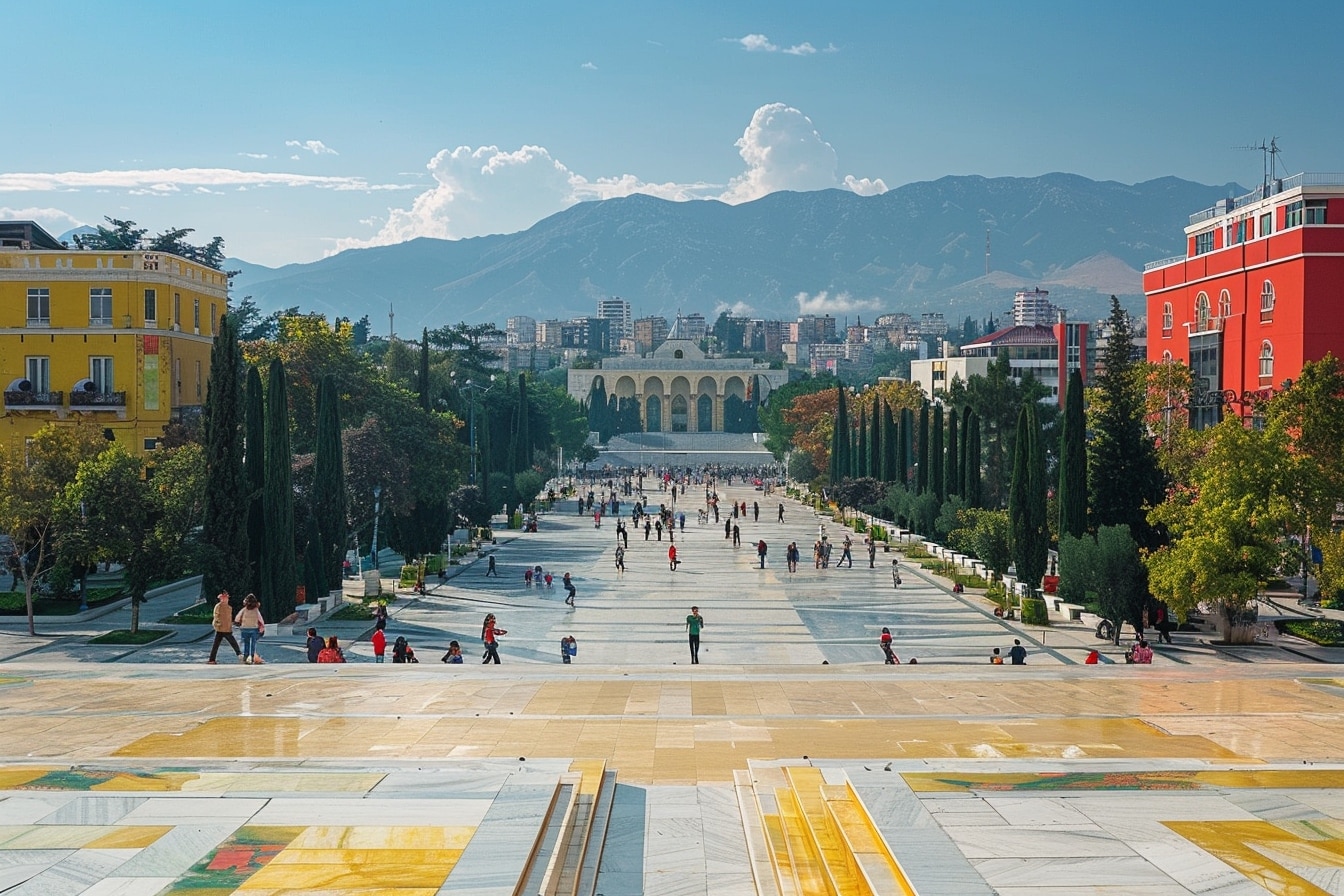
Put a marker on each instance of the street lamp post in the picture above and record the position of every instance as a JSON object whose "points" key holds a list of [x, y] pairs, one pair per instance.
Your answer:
{"points": [[473, 391]]}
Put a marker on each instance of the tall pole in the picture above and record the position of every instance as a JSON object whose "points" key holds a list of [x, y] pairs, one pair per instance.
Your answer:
{"points": [[377, 512], [472, 423]]}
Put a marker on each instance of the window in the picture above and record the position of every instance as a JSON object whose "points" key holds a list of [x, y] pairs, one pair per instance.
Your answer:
{"points": [[214, 318], [1204, 242], [1166, 318], [100, 307], [177, 310], [38, 372], [151, 307], [1166, 357], [1266, 224], [1315, 211], [1267, 302], [1292, 214], [196, 314], [100, 371], [39, 307], [1236, 233], [1224, 305], [1201, 312], [177, 381], [1266, 362]]}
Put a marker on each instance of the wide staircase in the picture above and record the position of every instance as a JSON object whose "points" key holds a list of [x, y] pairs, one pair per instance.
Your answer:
{"points": [[808, 836]]}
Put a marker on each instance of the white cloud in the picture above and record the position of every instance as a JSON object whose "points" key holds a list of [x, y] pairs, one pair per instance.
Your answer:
{"points": [[589, 66], [171, 179], [841, 303], [316, 147], [51, 219], [759, 43], [736, 309], [865, 186], [491, 190], [254, 155]]}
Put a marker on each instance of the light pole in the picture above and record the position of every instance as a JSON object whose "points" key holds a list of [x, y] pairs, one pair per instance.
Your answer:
{"points": [[377, 508], [473, 390]]}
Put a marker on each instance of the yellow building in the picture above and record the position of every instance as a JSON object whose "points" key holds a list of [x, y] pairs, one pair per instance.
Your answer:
{"points": [[119, 339]]}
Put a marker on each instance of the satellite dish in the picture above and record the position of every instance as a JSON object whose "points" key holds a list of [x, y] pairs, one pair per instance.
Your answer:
{"points": [[20, 385], [84, 385]]}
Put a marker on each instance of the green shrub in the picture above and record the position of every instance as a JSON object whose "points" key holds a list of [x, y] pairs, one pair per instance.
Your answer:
{"points": [[917, 552], [1034, 612], [12, 603], [879, 533], [144, 636], [353, 613], [1325, 632], [998, 593], [970, 580]]}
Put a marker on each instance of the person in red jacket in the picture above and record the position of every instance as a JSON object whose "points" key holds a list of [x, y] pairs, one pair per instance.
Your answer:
{"points": [[672, 558], [379, 645]]}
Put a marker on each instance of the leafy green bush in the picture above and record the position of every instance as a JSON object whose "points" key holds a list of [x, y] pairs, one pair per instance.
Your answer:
{"points": [[970, 580], [998, 593], [917, 552], [1325, 632], [1034, 612], [353, 613], [879, 533], [12, 603]]}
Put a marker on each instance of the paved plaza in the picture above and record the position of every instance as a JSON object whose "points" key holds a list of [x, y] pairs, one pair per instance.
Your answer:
{"points": [[791, 760]]}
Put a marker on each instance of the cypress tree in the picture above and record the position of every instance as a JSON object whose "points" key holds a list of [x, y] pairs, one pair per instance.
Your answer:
{"points": [[254, 478], [973, 461], [225, 532], [329, 498], [279, 572], [840, 439], [314, 579], [875, 435], [936, 455], [903, 438], [522, 443], [1026, 500], [890, 447], [1073, 461], [422, 376], [861, 444], [922, 465], [952, 474], [963, 462]]}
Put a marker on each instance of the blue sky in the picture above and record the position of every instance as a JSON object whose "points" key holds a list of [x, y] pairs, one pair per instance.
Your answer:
{"points": [[296, 129]]}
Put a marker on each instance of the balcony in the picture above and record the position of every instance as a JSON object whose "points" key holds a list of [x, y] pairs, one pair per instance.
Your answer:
{"points": [[93, 401], [33, 401]]}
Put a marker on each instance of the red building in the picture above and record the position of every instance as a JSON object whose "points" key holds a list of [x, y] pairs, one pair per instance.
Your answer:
{"points": [[1259, 291]]}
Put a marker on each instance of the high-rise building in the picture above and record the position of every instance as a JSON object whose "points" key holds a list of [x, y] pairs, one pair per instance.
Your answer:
{"points": [[118, 339], [1032, 307], [650, 332], [521, 330], [616, 311], [1255, 295]]}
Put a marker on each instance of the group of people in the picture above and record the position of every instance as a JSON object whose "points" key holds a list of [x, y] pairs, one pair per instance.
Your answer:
{"points": [[1017, 655], [251, 627]]}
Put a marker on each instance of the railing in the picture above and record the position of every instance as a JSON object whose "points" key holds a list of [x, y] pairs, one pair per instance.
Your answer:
{"points": [[82, 399], [1273, 188], [1163, 262], [17, 399]]}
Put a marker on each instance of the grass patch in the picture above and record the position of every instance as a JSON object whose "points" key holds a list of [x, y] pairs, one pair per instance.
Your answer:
{"points": [[202, 613], [917, 552], [12, 602], [353, 613], [1325, 632], [144, 636]]}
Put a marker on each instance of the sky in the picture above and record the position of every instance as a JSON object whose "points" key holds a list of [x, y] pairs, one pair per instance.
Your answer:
{"points": [[295, 130]]}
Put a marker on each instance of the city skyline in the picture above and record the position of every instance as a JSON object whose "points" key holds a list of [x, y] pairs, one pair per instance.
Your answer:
{"points": [[294, 137]]}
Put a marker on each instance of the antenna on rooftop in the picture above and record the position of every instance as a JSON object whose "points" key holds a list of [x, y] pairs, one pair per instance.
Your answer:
{"points": [[1269, 165], [391, 323]]}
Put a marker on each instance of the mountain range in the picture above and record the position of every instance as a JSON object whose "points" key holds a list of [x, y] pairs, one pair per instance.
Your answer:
{"points": [[917, 248]]}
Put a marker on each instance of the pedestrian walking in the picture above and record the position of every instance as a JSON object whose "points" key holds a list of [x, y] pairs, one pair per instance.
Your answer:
{"points": [[895, 574], [569, 648], [620, 560], [569, 588], [658, 527], [755, 511], [648, 527], [379, 641], [222, 622], [490, 567], [872, 553], [760, 551], [694, 623], [490, 634], [727, 528], [380, 615], [845, 555], [672, 561], [791, 556], [781, 512], [251, 626], [737, 536]]}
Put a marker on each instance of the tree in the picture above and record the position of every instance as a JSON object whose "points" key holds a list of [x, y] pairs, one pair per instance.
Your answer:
{"points": [[1104, 570], [973, 455], [279, 572], [1026, 501], [1073, 462], [951, 471], [936, 475], [1169, 391], [903, 440], [984, 534], [254, 478], [875, 433], [1123, 475], [840, 443], [108, 515], [1227, 526], [329, 499], [922, 465], [422, 373], [33, 479], [224, 538], [861, 445]]}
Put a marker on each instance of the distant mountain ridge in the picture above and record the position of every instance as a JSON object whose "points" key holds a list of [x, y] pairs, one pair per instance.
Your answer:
{"points": [[917, 248]]}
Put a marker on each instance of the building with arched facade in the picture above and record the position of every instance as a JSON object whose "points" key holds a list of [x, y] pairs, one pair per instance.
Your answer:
{"points": [[677, 388]]}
